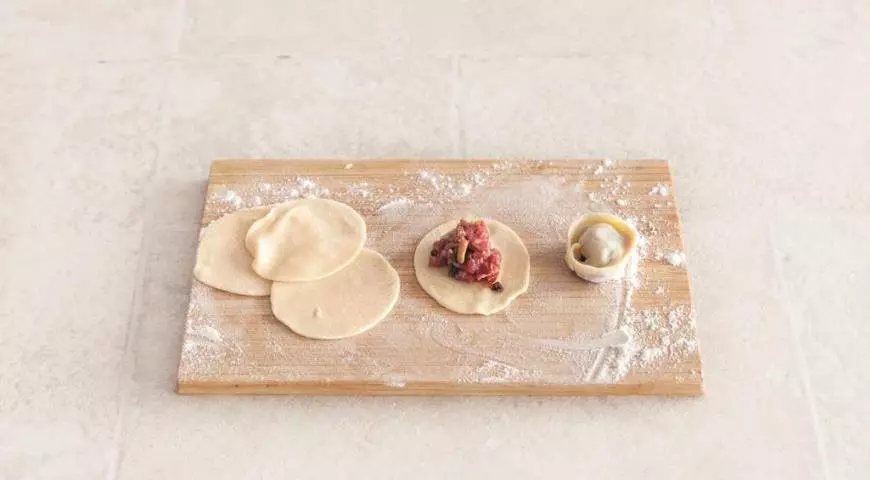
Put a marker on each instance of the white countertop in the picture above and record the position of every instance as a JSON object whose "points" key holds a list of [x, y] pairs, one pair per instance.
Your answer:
{"points": [[110, 113]]}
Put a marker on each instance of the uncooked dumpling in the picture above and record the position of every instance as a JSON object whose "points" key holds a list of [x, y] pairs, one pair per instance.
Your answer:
{"points": [[305, 240], [222, 260], [600, 246], [341, 305], [479, 298]]}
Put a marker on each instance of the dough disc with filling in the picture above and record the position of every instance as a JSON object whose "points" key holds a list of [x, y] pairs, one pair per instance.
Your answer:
{"points": [[463, 297], [223, 262], [341, 305], [305, 240]]}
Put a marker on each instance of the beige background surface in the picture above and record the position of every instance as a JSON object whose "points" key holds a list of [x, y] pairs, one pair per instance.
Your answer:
{"points": [[110, 112]]}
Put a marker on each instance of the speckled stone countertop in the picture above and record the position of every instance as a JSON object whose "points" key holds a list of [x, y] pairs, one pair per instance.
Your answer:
{"points": [[110, 112]]}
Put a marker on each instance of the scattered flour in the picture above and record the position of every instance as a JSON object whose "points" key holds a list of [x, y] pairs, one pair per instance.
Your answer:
{"points": [[658, 335], [496, 372], [675, 258], [308, 188], [395, 381], [227, 196], [398, 203], [659, 189], [453, 187], [207, 332], [207, 344], [359, 189]]}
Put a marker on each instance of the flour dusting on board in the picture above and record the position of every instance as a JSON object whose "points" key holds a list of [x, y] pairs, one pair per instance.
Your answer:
{"points": [[206, 342], [651, 331]]}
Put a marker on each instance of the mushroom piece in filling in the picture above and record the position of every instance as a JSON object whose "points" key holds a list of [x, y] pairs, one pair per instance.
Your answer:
{"points": [[468, 255]]}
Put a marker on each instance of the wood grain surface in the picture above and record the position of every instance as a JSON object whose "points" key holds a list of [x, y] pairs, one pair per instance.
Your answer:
{"points": [[234, 345]]}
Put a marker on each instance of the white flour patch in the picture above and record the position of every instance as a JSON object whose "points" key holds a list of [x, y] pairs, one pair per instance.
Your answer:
{"points": [[207, 344], [440, 185], [658, 337], [308, 188], [395, 381], [359, 189], [659, 189], [227, 196], [675, 258], [207, 332], [495, 372], [400, 203]]}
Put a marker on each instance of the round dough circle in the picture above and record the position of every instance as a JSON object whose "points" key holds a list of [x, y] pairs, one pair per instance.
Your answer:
{"points": [[305, 240], [223, 262], [462, 297], [342, 305]]}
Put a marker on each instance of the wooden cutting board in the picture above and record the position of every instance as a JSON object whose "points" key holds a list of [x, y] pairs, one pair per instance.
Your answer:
{"points": [[563, 337]]}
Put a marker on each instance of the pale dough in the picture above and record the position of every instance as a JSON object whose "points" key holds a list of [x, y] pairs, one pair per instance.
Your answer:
{"points": [[341, 305], [604, 242], [222, 260], [463, 297], [305, 240], [600, 245]]}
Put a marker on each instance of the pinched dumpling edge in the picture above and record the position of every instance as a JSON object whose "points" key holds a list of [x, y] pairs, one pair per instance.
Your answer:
{"points": [[613, 271]]}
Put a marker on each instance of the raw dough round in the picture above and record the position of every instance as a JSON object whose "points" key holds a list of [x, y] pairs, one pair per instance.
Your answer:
{"points": [[305, 240], [222, 260], [462, 297], [342, 305]]}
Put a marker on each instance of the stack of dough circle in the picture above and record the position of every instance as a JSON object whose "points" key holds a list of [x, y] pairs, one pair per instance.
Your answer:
{"points": [[309, 256], [222, 260], [305, 240]]}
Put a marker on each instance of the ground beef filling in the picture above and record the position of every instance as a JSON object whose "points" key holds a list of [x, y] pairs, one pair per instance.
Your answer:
{"points": [[466, 253]]}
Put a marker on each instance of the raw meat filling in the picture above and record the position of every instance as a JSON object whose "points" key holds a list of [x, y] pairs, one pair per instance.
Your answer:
{"points": [[467, 254]]}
